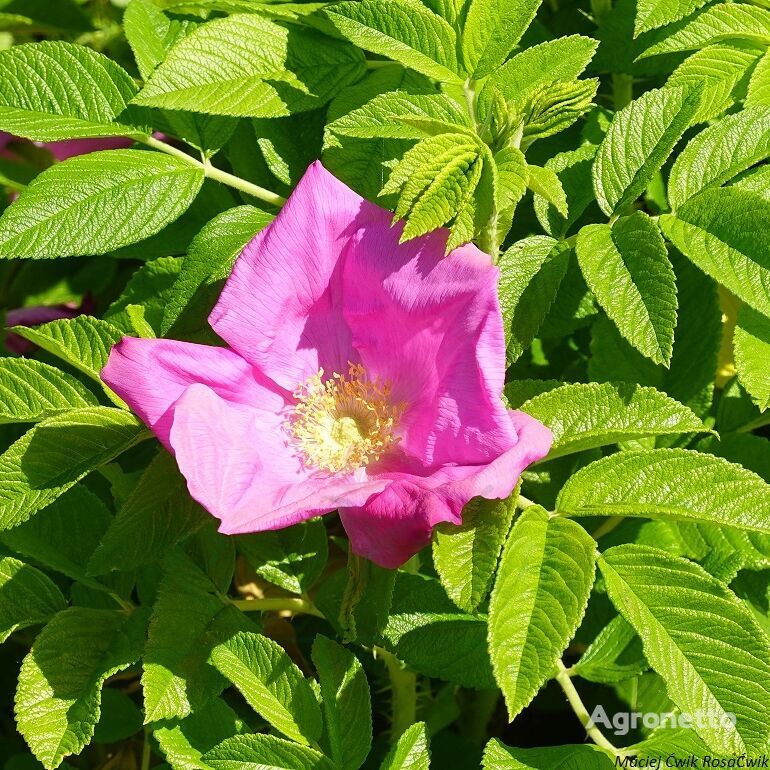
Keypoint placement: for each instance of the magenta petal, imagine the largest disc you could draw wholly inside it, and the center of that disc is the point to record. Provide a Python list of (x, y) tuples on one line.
[(432, 326), (240, 467), (69, 148), (281, 308), (395, 524), (150, 375)]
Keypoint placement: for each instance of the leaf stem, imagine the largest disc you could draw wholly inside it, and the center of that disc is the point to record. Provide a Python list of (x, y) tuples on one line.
[(212, 172), (146, 753), (607, 526), (524, 502), (295, 604), (581, 712), (403, 685), (622, 90)]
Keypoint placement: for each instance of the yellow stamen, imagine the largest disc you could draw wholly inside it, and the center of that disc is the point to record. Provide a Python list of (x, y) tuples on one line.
[(344, 423)]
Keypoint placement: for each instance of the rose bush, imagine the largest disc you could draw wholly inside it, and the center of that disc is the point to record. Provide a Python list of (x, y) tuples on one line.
[(385, 384)]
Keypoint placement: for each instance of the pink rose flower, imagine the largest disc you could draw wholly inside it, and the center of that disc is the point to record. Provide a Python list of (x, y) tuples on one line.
[(362, 374)]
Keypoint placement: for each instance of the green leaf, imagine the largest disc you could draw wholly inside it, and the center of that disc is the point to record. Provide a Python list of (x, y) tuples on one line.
[(544, 182), (722, 70), (638, 142), (185, 741), (273, 686), (615, 655), (405, 31), (466, 556), (435, 179), (587, 415), (674, 484), (720, 23), (651, 14), (759, 85), (720, 231), (555, 107), (410, 752), (492, 29), (263, 752), (27, 596), (189, 618), (124, 195), (157, 514), (59, 451), (718, 153), (63, 535), (573, 169), (346, 703), (55, 90), (752, 354), (401, 115), (271, 70), (531, 272), (498, 756), (211, 255), (30, 391), (698, 636), (535, 608), (59, 693), (528, 71), (626, 266), (151, 34), (292, 558)]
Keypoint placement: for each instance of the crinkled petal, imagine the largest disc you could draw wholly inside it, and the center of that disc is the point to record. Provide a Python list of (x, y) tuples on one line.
[(431, 325), (281, 308), (151, 375), (395, 524), (239, 465)]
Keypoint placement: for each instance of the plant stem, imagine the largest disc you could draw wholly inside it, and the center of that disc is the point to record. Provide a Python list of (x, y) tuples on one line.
[(581, 712), (524, 502), (403, 684), (469, 89), (212, 172), (622, 90), (146, 754), (606, 526), (296, 604)]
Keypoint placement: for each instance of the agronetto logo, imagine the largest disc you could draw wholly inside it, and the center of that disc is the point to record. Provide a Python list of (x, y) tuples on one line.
[(622, 722)]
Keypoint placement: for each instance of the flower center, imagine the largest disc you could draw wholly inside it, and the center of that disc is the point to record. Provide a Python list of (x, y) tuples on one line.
[(345, 422)]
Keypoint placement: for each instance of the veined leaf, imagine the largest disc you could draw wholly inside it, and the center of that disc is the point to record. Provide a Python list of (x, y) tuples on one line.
[(410, 752), (752, 354), (718, 153), (697, 635), (638, 142), (544, 182), (124, 195), (651, 14), (531, 272), (59, 451), (346, 703), (27, 596), (55, 90), (615, 655), (492, 29), (271, 71), (397, 115), (466, 556), (406, 31), (291, 558), (722, 70), (759, 85), (189, 618), (721, 231), (587, 415), (498, 756), (273, 686), (626, 266), (260, 752), (59, 693), (540, 594), (30, 391), (184, 742), (719, 23), (674, 484), (63, 535), (157, 514)]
